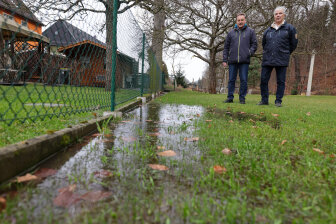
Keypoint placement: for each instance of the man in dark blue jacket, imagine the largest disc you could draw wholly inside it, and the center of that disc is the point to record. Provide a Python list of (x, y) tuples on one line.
[(240, 45), (279, 41)]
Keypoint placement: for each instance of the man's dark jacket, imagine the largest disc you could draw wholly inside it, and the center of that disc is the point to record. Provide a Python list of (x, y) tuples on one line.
[(278, 45), (240, 45)]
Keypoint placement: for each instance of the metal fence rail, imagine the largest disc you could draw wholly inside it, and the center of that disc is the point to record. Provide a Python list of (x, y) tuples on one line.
[(66, 70)]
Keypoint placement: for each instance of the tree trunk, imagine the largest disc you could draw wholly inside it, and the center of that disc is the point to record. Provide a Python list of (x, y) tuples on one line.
[(159, 30), (212, 73), (109, 40)]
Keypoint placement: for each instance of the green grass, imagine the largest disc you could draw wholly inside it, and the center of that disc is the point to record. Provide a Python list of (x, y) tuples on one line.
[(20, 120), (266, 181)]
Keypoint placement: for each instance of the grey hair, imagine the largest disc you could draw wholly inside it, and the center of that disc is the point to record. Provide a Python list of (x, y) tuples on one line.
[(241, 14), (283, 8)]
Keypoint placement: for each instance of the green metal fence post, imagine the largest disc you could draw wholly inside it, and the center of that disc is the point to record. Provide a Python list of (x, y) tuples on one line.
[(143, 63), (114, 52)]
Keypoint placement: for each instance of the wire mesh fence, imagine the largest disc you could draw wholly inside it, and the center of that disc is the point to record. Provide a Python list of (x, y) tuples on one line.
[(66, 69)]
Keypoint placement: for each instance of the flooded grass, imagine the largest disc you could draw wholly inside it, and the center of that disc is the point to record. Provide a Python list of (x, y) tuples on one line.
[(269, 172)]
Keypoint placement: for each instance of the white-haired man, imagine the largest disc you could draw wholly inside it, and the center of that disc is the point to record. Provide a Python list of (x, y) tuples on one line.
[(279, 41)]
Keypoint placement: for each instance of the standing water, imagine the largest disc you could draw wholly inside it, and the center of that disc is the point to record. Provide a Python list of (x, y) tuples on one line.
[(113, 175)]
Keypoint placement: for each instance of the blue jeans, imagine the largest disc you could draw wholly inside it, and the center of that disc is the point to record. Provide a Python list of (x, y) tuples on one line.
[(281, 79), (243, 72)]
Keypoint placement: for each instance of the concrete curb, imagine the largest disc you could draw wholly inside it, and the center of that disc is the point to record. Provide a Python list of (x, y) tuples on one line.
[(19, 157)]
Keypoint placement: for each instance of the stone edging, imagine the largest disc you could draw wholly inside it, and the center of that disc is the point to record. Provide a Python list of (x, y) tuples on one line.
[(19, 157)]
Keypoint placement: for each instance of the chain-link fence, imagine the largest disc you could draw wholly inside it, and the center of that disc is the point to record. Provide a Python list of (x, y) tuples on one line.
[(67, 68)]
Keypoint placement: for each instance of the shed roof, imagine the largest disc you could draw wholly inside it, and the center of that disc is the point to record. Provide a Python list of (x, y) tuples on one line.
[(17, 7), (62, 34)]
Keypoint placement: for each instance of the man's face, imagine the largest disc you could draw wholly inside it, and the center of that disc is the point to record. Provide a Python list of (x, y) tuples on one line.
[(241, 21), (279, 16)]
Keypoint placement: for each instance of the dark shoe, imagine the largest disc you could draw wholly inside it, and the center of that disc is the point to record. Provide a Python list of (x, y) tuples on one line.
[(262, 103), (228, 101), (242, 102), (278, 105)]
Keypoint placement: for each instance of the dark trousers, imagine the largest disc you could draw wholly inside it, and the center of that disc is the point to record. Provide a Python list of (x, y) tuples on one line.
[(243, 73), (281, 79)]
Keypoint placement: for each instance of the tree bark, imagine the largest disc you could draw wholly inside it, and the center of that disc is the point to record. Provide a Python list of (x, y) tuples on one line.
[(212, 73), (159, 30)]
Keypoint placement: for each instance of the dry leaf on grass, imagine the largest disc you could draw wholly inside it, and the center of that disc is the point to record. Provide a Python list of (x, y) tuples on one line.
[(108, 135), (219, 169), (308, 114), (66, 197), (45, 172), (231, 121), (194, 139), (227, 151), (275, 115), (103, 173), (95, 196), (160, 147), (283, 142), (149, 120), (26, 178), (254, 126), (158, 167), (96, 135), (128, 139), (167, 153), (209, 126), (154, 134), (2, 203), (208, 120), (318, 150), (332, 156), (198, 115), (125, 121)]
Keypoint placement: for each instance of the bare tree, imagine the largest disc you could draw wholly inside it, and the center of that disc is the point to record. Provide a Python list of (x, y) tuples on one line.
[(200, 27)]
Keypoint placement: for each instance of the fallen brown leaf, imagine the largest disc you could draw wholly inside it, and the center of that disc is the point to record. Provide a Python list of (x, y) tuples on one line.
[(219, 169), (167, 153), (262, 113), (125, 121), (66, 197), (308, 114), (103, 173), (2, 203), (226, 151), (149, 120), (254, 126), (251, 120), (26, 178), (95, 196), (318, 150), (332, 156), (45, 172), (208, 120), (198, 115), (128, 139), (108, 135), (160, 147), (242, 112), (96, 135), (209, 126), (231, 121), (154, 134), (283, 142), (158, 167), (194, 139)]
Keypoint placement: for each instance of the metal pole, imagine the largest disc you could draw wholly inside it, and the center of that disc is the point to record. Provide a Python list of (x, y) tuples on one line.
[(143, 63), (114, 52), (311, 71)]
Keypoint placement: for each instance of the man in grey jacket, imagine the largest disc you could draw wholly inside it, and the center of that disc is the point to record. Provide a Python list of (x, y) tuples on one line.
[(240, 45)]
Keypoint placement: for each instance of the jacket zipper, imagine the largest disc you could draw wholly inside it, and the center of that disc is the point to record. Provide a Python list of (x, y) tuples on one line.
[(239, 44)]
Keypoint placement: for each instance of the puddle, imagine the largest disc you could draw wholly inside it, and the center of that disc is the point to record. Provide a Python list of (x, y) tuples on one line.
[(124, 152)]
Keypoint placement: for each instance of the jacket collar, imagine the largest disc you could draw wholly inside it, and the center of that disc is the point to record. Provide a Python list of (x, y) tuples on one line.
[(276, 27), (244, 27)]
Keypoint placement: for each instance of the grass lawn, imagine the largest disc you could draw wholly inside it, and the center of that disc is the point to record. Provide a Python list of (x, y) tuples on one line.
[(22, 115), (274, 175), (278, 167)]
